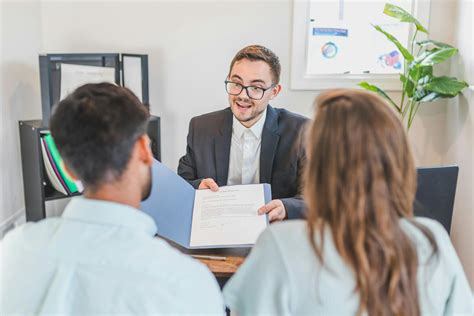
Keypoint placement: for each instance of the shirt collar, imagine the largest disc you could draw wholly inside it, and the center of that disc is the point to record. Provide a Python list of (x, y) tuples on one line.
[(238, 129), (109, 213)]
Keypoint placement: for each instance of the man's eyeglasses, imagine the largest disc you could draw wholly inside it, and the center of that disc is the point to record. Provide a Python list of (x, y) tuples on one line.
[(255, 93)]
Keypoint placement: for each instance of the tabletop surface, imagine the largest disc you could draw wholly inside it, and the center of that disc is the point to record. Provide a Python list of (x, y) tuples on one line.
[(234, 257), (223, 268)]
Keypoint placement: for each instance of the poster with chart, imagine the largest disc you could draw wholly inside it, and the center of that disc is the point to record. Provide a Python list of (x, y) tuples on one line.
[(342, 40)]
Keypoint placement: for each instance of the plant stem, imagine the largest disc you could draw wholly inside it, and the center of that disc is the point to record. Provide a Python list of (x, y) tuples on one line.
[(413, 41), (413, 105), (403, 92), (416, 106), (410, 114), (404, 113), (406, 71)]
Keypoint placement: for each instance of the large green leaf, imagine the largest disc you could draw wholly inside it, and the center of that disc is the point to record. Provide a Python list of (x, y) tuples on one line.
[(424, 80), (438, 55), (368, 86), (416, 71), (391, 38), (408, 85), (433, 96), (420, 94), (403, 16), (445, 85), (423, 55), (433, 43)]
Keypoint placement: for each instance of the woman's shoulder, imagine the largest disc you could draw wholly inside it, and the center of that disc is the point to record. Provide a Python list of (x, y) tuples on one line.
[(445, 250), (281, 232), (412, 227), (292, 240), (434, 226), (444, 271)]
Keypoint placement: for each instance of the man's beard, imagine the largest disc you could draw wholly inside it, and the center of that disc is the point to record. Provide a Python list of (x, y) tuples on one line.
[(147, 187)]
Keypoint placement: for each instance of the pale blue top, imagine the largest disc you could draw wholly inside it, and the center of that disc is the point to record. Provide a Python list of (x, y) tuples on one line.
[(282, 276), (101, 258)]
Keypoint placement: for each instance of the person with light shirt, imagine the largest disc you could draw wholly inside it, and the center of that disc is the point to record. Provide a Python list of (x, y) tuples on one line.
[(360, 251), (249, 142), (101, 256)]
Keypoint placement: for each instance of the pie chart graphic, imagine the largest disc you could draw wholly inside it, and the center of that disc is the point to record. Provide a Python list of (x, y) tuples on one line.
[(329, 50)]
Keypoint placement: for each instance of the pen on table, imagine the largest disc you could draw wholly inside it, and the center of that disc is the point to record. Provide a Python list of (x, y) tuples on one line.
[(209, 257)]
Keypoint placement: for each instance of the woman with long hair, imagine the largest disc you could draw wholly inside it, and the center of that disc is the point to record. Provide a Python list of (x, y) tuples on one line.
[(360, 250)]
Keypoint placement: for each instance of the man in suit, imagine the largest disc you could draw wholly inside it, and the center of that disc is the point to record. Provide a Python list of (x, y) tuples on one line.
[(249, 142)]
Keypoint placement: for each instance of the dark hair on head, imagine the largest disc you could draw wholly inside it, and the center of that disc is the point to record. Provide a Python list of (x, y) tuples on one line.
[(95, 129), (360, 180), (258, 52)]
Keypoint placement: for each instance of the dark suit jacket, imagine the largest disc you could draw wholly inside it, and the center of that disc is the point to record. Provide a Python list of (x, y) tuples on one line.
[(281, 155)]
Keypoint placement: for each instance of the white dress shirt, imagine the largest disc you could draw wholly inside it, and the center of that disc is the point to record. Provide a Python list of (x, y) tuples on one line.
[(100, 258), (244, 160)]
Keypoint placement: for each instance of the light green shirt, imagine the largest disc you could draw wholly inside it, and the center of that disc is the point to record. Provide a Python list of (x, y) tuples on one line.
[(100, 258), (282, 276)]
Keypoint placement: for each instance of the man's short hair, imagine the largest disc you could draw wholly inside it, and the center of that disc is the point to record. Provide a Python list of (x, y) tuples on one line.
[(95, 129), (258, 52)]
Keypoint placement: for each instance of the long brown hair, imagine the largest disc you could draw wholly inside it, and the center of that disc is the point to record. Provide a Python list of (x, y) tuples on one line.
[(360, 180)]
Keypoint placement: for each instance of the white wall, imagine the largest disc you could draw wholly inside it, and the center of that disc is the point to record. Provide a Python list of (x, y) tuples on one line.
[(443, 134), (460, 136), (20, 96), (190, 45)]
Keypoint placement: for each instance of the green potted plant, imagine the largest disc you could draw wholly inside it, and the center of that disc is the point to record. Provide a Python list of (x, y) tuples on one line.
[(419, 85)]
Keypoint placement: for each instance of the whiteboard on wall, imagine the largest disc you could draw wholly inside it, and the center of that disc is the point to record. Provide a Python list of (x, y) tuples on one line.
[(335, 44)]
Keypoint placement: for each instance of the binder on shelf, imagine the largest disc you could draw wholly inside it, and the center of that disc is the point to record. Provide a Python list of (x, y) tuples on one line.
[(53, 164), (59, 163), (62, 73), (51, 170), (197, 219)]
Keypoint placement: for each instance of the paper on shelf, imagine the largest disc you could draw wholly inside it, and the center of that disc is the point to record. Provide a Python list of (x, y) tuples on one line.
[(74, 76)]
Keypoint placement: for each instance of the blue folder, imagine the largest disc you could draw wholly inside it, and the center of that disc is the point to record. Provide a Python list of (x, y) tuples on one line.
[(171, 204)]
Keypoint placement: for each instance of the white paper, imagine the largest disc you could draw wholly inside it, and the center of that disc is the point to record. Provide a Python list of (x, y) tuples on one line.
[(132, 75), (229, 216), (74, 76)]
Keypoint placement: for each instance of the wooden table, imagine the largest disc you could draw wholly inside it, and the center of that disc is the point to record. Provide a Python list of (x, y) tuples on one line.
[(220, 268), (223, 268)]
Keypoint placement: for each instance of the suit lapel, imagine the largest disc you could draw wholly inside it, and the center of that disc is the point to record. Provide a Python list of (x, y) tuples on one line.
[(270, 138), (222, 148)]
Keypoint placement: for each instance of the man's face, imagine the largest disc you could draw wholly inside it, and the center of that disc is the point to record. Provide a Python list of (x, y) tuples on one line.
[(251, 73)]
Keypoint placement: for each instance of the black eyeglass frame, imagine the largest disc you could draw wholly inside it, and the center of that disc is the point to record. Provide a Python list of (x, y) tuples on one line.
[(246, 89)]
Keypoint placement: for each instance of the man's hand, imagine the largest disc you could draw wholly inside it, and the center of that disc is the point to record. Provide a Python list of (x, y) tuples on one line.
[(275, 209), (209, 183)]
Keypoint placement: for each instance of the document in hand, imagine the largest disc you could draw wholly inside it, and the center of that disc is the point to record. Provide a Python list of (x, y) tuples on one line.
[(202, 218)]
